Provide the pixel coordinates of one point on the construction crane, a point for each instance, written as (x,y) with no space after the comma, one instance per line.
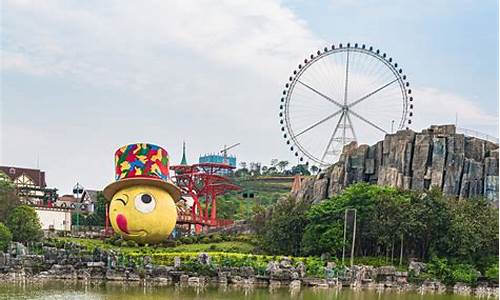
(224,151)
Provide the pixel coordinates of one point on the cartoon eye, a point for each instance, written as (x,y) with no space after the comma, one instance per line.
(145,203)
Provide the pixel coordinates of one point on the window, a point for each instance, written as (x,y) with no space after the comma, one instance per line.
(24,180)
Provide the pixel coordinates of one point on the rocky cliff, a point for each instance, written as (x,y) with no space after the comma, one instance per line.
(459,165)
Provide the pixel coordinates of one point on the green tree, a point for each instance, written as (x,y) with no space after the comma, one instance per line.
(430,216)
(300,169)
(24,224)
(5,237)
(282,233)
(379,220)
(473,230)
(8,197)
(282,165)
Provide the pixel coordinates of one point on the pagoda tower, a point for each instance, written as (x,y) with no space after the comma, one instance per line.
(183,160)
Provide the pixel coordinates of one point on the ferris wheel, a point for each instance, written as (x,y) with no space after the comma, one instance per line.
(342,94)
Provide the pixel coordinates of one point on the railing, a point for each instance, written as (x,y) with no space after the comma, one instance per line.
(477,134)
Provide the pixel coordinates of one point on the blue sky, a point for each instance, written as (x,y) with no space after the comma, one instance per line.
(81,78)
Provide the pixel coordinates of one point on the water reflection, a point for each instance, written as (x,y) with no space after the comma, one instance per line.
(134,290)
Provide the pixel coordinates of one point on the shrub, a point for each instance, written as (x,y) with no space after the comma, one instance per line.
(492,272)
(5,237)
(439,268)
(132,243)
(186,240)
(24,224)
(371,261)
(215,238)
(463,273)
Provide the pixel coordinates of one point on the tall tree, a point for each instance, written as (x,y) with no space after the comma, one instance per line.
(8,197)
(282,233)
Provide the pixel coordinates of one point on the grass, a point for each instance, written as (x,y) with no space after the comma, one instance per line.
(237,247)
(228,247)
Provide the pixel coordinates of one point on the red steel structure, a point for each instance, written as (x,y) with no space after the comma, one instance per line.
(203,182)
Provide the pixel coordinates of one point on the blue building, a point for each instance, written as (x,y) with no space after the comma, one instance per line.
(217,158)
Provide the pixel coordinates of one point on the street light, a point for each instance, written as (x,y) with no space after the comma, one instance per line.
(77,190)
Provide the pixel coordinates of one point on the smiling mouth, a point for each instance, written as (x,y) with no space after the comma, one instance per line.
(136,233)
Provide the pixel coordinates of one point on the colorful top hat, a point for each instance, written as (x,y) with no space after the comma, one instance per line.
(142,164)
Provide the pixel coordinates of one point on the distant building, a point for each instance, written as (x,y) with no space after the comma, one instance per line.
(89,201)
(53,218)
(30,184)
(32,190)
(219,159)
(66,201)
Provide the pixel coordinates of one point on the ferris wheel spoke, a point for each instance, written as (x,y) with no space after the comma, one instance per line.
(346,77)
(319,123)
(372,93)
(321,94)
(366,121)
(333,136)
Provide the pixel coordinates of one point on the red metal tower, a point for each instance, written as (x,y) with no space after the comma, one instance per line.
(203,183)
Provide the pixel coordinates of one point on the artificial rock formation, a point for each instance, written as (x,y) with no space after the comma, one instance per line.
(459,165)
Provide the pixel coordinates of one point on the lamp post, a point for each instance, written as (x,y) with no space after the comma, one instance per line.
(77,191)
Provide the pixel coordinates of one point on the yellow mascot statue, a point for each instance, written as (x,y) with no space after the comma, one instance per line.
(143,199)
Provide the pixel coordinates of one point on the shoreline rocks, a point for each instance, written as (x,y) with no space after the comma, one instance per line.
(75,264)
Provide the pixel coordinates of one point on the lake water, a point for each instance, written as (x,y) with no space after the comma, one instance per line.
(118,291)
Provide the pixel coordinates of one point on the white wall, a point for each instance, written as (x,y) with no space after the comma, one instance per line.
(58,219)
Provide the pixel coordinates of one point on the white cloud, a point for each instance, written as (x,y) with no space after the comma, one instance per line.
(210,72)
(433,106)
(93,43)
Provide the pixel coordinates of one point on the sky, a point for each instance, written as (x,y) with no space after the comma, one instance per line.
(79,79)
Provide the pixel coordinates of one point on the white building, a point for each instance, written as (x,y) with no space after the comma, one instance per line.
(53,218)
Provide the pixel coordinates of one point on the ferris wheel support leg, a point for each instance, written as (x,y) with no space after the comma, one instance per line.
(332,137)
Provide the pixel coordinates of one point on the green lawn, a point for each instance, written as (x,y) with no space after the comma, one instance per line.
(231,247)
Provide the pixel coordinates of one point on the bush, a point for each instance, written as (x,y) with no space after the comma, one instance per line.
(215,238)
(5,237)
(186,240)
(371,261)
(463,273)
(439,268)
(132,243)
(24,224)
(492,272)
